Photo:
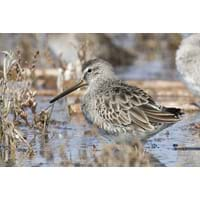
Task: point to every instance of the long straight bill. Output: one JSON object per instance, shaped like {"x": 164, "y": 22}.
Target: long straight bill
{"x": 68, "y": 91}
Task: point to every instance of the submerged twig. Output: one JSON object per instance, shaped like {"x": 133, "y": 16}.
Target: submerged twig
{"x": 41, "y": 120}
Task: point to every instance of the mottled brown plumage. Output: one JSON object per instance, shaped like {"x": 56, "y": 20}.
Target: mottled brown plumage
{"x": 118, "y": 108}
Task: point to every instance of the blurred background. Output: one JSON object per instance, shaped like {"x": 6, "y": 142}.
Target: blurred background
{"x": 134, "y": 56}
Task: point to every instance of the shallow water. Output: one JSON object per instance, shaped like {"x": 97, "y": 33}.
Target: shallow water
{"x": 63, "y": 144}
{"x": 67, "y": 144}
{"x": 178, "y": 145}
{"x": 148, "y": 70}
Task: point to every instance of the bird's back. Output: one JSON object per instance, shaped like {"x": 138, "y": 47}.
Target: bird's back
{"x": 120, "y": 108}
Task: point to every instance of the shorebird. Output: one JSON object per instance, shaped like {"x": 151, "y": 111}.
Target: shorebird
{"x": 116, "y": 107}
{"x": 188, "y": 62}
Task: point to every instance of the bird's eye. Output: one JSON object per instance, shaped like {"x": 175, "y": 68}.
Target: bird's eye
{"x": 89, "y": 70}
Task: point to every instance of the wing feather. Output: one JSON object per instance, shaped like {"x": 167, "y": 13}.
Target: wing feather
{"x": 125, "y": 105}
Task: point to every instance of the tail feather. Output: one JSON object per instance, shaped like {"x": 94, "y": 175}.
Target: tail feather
{"x": 176, "y": 111}
{"x": 163, "y": 114}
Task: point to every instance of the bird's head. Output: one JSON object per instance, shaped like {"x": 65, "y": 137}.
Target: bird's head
{"x": 94, "y": 71}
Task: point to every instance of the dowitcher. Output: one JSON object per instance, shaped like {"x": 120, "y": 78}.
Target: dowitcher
{"x": 116, "y": 107}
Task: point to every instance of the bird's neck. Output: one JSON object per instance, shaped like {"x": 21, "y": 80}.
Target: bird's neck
{"x": 98, "y": 84}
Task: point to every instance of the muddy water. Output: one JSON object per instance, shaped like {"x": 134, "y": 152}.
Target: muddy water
{"x": 63, "y": 144}
{"x": 178, "y": 145}
{"x": 67, "y": 144}
{"x": 148, "y": 70}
